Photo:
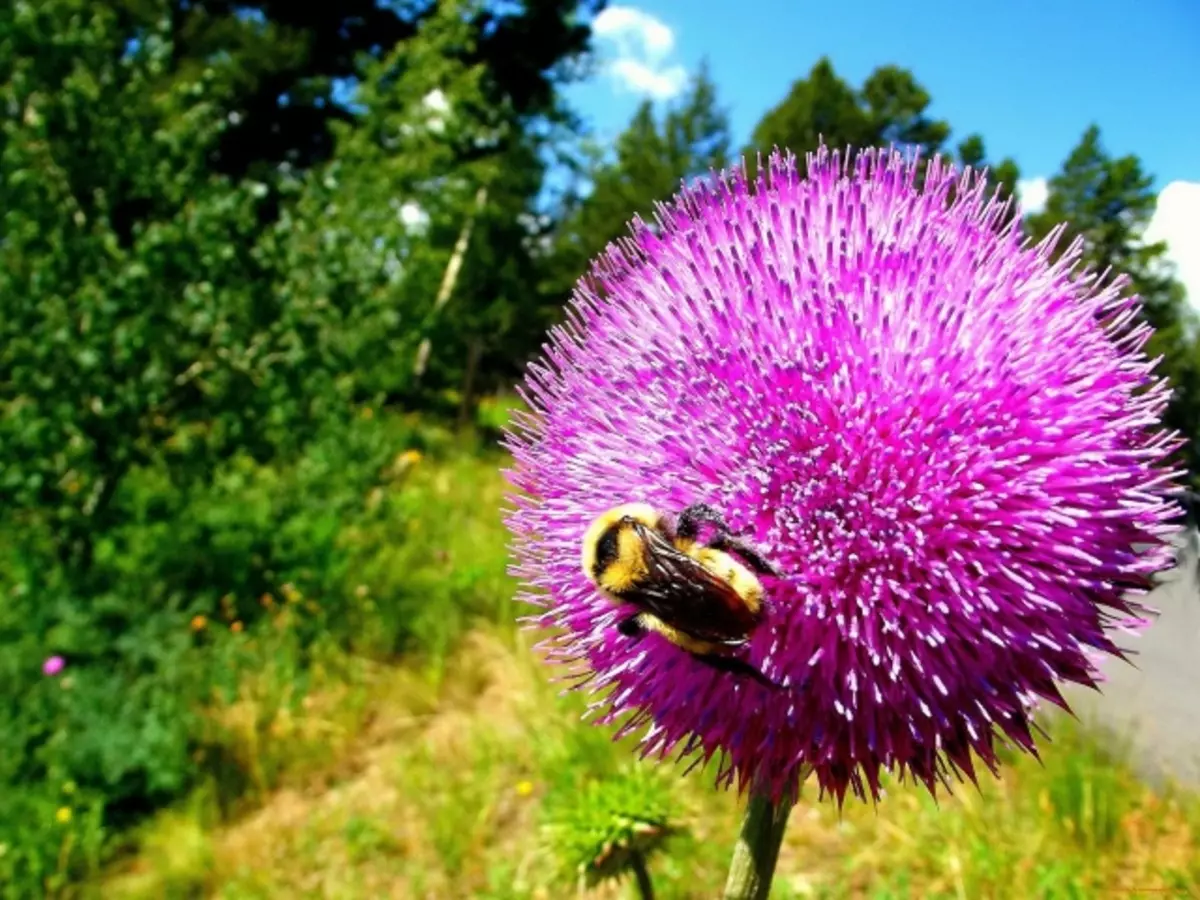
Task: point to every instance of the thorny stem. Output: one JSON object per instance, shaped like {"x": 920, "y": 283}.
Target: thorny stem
{"x": 757, "y": 849}
{"x": 645, "y": 887}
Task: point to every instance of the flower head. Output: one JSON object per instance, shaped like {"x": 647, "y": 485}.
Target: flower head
{"x": 53, "y": 665}
{"x": 598, "y": 830}
{"x": 946, "y": 440}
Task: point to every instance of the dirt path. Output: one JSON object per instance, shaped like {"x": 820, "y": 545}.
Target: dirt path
{"x": 1154, "y": 700}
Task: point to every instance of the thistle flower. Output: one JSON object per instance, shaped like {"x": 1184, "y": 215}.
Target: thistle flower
{"x": 946, "y": 440}
{"x": 53, "y": 666}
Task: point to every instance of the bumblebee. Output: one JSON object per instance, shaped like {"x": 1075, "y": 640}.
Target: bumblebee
{"x": 705, "y": 597}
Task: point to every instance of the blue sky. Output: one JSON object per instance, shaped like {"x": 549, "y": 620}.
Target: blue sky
{"x": 1028, "y": 75}
{"x": 1029, "y": 78}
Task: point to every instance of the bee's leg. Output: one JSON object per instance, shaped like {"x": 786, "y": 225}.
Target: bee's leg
{"x": 756, "y": 560}
{"x": 735, "y": 666}
{"x": 696, "y": 515}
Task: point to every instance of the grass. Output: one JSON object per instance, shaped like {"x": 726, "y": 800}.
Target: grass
{"x": 433, "y": 778}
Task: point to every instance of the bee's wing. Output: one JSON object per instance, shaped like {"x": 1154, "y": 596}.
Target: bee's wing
{"x": 688, "y": 596}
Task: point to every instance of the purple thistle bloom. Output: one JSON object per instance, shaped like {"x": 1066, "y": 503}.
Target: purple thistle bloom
{"x": 948, "y": 443}
{"x": 53, "y": 665}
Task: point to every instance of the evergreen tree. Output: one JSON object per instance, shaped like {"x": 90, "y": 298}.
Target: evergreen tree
{"x": 295, "y": 64}
{"x": 653, "y": 156}
{"x": 820, "y": 106}
{"x": 891, "y": 108}
{"x": 1004, "y": 174}
{"x": 897, "y": 111}
{"x": 1108, "y": 202}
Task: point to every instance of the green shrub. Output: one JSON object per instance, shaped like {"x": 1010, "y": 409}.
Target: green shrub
{"x": 362, "y": 544}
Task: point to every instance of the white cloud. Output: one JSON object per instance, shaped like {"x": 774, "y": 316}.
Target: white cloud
{"x": 1033, "y": 193}
{"x": 642, "y": 79}
{"x": 638, "y": 49}
{"x": 1177, "y": 221}
{"x": 628, "y": 25}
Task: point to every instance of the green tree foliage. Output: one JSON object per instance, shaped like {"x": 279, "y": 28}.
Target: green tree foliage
{"x": 431, "y": 163}
{"x": 127, "y": 340}
{"x": 231, "y": 232}
{"x": 972, "y": 152}
{"x": 819, "y": 106}
{"x": 176, "y": 332}
{"x": 891, "y": 108}
{"x": 293, "y": 61}
{"x": 1108, "y": 202}
{"x": 370, "y": 231}
{"x": 653, "y": 156}
{"x": 897, "y": 110}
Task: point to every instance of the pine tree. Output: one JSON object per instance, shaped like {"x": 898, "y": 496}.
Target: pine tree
{"x": 296, "y": 63}
{"x": 890, "y": 109}
{"x": 1109, "y": 201}
{"x": 1004, "y": 174}
{"x": 653, "y": 157}
{"x": 820, "y": 106}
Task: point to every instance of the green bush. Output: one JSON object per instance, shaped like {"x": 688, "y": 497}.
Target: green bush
{"x": 357, "y": 545}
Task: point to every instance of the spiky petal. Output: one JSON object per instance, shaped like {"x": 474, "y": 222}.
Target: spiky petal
{"x": 947, "y": 438}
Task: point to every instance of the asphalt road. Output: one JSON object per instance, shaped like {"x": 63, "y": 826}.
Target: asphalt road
{"x": 1153, "y": 701}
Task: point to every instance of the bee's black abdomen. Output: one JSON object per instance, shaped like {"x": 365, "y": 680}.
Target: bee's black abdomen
{"x": 631, "y": 627}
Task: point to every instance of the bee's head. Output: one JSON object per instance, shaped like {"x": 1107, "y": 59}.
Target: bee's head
{"x": 613, "y": 548}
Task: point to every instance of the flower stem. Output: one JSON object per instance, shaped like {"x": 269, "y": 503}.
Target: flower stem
{"x": 757, "y": 849}
{"x": 645, "y": 886}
